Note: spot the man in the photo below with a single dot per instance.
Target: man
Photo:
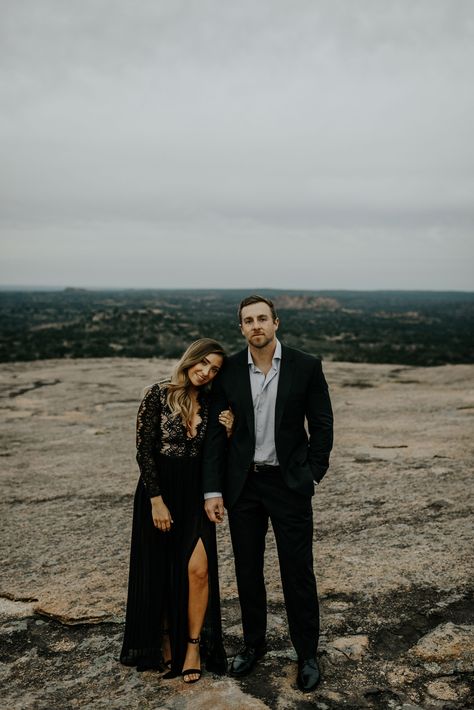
(267, 470)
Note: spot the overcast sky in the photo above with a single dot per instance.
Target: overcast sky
(309, 144)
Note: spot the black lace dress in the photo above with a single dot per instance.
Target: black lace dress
(170, 465)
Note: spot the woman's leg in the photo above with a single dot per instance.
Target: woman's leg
(197, 605)
(166, 644)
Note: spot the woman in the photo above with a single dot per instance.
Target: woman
(173, 608)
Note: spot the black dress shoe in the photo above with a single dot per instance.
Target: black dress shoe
(308, 674)
(246, 659)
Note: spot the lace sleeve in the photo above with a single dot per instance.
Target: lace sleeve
(148, 439)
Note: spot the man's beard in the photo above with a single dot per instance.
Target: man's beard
(259, 346)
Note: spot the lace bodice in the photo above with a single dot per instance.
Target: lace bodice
(159, 433)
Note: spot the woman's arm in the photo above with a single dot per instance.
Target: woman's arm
(148, 439)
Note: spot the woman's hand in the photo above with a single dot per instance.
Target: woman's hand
(161, 515)
(226, 418)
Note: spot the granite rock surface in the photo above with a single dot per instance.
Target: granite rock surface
(393, 545)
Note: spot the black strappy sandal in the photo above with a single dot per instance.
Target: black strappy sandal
(192, 671)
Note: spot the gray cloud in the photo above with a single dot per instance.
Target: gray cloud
(155, 132)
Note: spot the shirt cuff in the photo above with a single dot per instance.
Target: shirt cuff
(212, 495)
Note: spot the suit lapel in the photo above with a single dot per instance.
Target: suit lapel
(284, 384)
(243, 383)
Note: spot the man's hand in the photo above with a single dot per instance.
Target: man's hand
(214, 508)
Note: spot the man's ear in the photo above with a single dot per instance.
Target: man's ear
(277, 323)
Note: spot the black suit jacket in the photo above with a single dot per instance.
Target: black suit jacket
(303, 454)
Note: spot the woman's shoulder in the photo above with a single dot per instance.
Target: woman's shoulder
(156, 391)
(160, 385)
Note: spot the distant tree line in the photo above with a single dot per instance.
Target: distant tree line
(409, 328)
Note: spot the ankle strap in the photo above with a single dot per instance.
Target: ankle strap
(190, 640)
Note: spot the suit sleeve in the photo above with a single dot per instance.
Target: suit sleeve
(215, 442)
(320, 423)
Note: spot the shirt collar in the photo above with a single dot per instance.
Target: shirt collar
(276, 354)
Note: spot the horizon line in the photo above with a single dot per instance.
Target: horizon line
(92, 289)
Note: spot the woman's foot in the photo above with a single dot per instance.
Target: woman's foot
(192, 663)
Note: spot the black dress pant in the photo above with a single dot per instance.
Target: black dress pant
(266, 496)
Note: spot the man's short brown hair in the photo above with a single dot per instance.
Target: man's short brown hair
(255, 298)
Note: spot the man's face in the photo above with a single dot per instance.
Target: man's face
(257, 325)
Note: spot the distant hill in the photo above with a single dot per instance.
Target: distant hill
(406, 327)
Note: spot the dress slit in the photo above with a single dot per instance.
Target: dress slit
(159, 578)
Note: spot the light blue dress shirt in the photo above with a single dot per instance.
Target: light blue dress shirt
(264, 393)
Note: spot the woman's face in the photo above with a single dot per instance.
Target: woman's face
(205, 371)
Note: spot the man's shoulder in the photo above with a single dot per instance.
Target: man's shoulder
(299, 355)
(237, 358)
(231, 365)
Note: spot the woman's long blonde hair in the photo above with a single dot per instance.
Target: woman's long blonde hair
(178, 396)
